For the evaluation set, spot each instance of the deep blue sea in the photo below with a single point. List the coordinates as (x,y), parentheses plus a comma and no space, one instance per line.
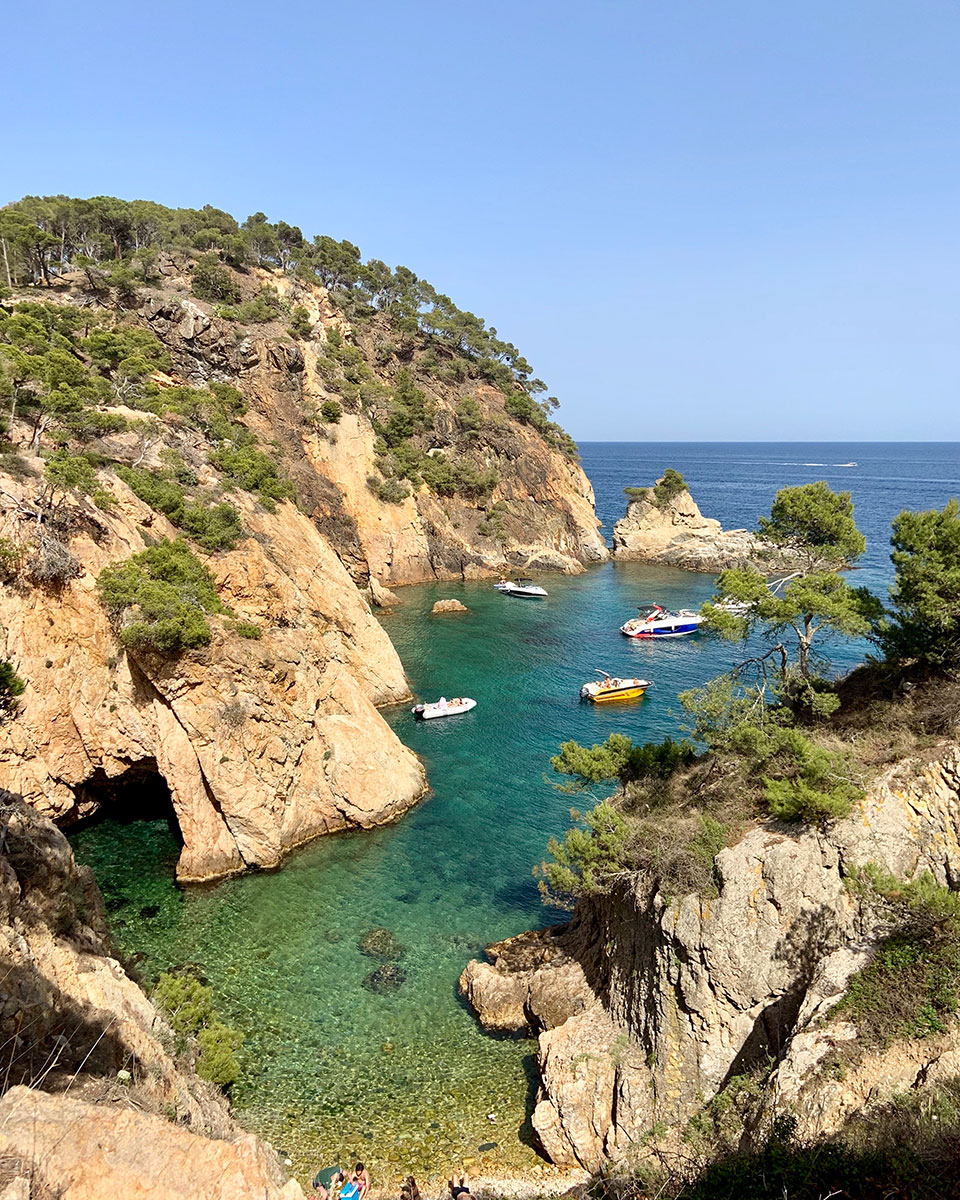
(406,1080)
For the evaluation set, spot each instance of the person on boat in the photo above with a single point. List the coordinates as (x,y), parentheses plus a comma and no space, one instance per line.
(362,1176)
(443,702)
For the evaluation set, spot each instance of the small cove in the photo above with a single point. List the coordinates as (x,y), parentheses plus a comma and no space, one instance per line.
(406,1080)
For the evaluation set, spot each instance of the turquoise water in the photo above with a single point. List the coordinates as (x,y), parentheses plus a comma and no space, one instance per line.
(406,1080)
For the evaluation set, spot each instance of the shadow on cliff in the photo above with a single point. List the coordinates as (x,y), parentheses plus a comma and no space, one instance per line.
(48,1040)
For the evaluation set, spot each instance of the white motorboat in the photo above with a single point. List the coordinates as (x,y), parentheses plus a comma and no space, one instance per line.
(444,708)
(519,587)
(656,622)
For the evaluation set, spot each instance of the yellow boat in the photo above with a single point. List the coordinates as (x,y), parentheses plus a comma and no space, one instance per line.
(605,689)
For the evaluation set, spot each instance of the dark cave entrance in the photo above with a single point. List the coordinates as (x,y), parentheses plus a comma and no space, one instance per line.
(139,794)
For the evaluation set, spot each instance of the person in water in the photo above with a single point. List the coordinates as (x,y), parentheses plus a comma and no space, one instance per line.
(459,1189)
(362,1176)
(327,1184)
(409,1189)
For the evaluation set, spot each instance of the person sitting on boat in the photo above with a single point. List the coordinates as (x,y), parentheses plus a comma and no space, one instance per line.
(442,702)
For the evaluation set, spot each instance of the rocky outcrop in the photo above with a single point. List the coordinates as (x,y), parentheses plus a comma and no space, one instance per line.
(540,515)
(90,1068)
(683,994)
(64,1147)
(678,535)
(449,606)
(262,744)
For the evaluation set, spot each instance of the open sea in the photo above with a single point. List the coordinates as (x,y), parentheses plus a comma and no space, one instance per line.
(407,1081)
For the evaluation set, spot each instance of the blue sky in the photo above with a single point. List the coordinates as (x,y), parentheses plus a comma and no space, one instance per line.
(703,219)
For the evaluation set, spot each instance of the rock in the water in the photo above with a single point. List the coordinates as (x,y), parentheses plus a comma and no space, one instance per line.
(449,606)
(386,978)
(678,535)
(381,596)
(381,943)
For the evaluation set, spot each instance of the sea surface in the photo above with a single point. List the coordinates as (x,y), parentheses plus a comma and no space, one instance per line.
(333,1070)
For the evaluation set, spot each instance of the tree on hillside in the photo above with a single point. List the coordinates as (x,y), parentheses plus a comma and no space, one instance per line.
(924,622)
(817,525)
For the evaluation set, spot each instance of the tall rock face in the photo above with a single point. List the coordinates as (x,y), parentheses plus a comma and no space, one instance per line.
(664,1000)
(676,534)
(95,1103)
(263,744)
(538,514)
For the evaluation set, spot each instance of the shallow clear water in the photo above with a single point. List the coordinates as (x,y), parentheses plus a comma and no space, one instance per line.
(406,1080)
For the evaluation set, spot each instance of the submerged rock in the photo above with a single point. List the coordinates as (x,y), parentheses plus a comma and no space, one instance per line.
(381,943)
(385,979)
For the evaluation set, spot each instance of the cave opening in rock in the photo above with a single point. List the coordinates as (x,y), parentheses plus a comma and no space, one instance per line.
(139,794)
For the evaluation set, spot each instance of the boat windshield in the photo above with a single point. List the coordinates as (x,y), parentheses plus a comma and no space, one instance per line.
(647,611)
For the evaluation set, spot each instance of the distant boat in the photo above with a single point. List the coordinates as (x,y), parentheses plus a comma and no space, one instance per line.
(444,708)
(519,587)
(656,622)
(605,689)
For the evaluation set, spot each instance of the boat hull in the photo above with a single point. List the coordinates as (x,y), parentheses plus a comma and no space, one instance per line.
(672,631)
(633,693)
(432,712)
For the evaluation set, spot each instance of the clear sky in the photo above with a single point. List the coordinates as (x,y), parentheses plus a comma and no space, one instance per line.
(698,219)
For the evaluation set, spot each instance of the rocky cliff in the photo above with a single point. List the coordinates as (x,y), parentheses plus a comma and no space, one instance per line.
(95,1100)
(647,1005)
(262,743)
(675,533)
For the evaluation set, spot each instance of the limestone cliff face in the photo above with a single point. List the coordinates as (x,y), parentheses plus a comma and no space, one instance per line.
(665,1000)
(678,535)
(90,1068)
(539,514)
(262,744)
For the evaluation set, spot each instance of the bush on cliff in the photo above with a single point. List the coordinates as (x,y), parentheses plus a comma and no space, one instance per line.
(668,487)
(160,599)
(12,688)
(187,1005)
(212,526)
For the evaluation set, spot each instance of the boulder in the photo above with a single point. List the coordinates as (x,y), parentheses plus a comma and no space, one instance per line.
(449,606)
(80,1151)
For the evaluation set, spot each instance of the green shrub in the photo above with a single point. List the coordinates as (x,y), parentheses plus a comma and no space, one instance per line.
(668,487)
(331,411)
(439,474)
(212,526)
(469,413)
(390,491)
(300,325)
(11,688)
(619,758)
(160,598)
(911,987)
(217,1062)
(251,469)
(588,859)
(212,282)
(12,556)
(66,472)
(247,629)
(636,491)
(186,1003)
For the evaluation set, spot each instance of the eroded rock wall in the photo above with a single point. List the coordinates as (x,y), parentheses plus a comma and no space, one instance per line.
(95,1102)
(263,744)
(684,994)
